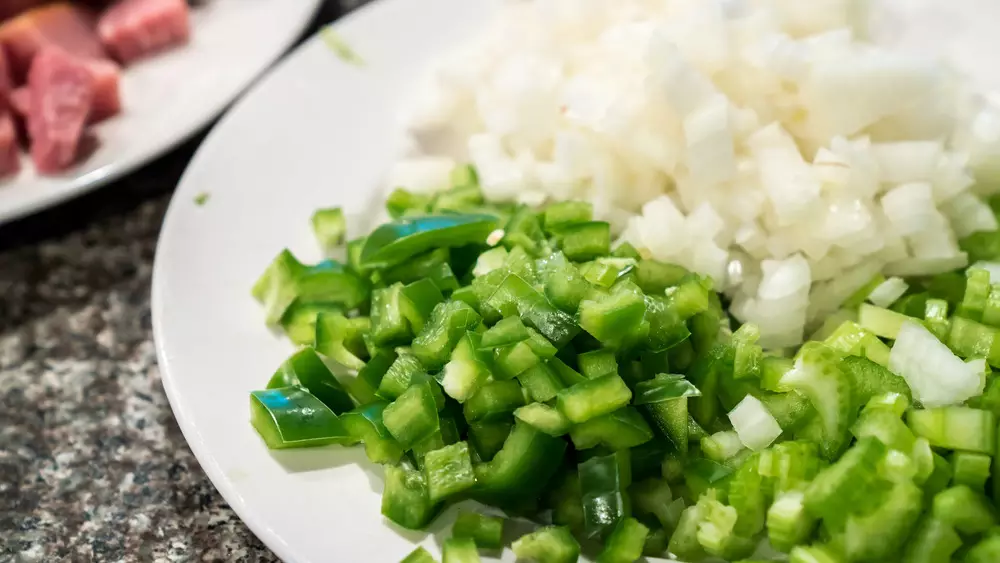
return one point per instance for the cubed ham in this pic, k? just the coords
(10, 153)
(63, 25)
(11, 8)
(6, 82)
(107, 101)
(20, 101)
(132, 29)
(62, 93)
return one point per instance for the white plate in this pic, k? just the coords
(316, 132)
(168, 97)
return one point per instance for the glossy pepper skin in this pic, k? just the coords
(604, 481)
(290, 417)
(395, 242)
(521, 469)
(306, 369)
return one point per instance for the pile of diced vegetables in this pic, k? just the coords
(509, 355)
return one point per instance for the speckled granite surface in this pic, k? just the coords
(92, 464)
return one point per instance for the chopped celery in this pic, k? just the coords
(970, 469)
(882, 322)
(933, 541)
(957, 428)
(977, 291)
(817, 374)
(969, 512)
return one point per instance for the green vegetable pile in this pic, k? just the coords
(509, 355)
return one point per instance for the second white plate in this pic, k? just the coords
(170, 96)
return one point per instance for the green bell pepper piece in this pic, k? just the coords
(544, 418)
(340, 339)
(551, 544)
(405, 498)
(487, 436)
(507, 332)
(289, 417)
(619, 430)
(614, 319)
(521, 469)
(564, 284)
(494, 401)
(597, 363)
(403, 371)
(516, 296)
(419, 555)
(418, 301)
(540, 382)
(585, 241)
(625, 543)
(604, 482)
(389, 325)
(448, 471)
(449, 321)
(305, 369)
(395, 242)
(593, 398)
(413, 416)
(299, 321)
(563, 214)
(286, 279)
(365, 425)
(459, 550)
(485, 531)
(330, 227)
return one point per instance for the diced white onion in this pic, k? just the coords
(887, 292)
(754, 424)
(936, 376)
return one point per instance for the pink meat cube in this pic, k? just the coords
(20, 101)
(10, 153)
(62, 93)
(132, 29)
(61, 24)
(6, 83)
(107, 101)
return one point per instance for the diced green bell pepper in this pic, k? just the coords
(521, 469)
(933, 541)
(625, 543)
(405, 498)
(413, 416)
(290, 417)
(565, 213)
(365, 424)
(515, 295)
(339, 339)
(448, 323)
(459, 550)
(393, 243)
(494, 401)
(299, 321)
(593, 398)
(551, 544)
(487, 436)
(419, 555)
(448, 471)
(330, 227)
(604, 482)
(305, 369)
(621, 429)
(485, 531)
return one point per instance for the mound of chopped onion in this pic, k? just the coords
(770, 147)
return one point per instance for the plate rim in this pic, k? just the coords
(84, 183)
(192, 436)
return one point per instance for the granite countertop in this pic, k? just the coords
(92, 464)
